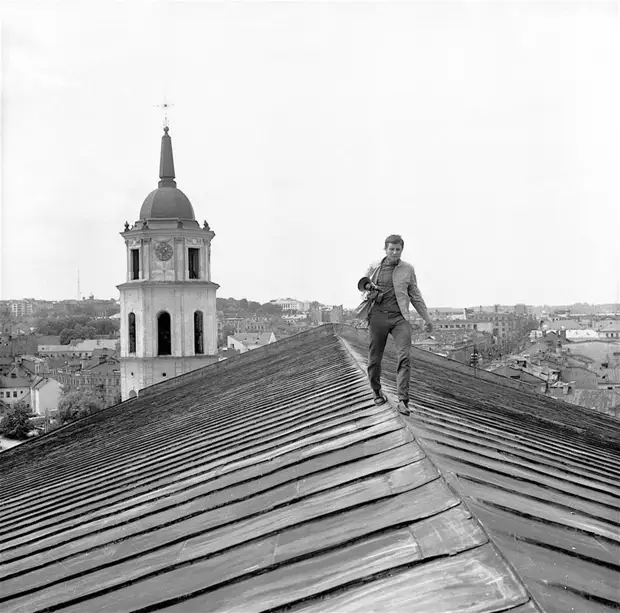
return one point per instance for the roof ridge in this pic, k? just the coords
(360, 362)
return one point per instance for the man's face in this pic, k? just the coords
(393, 251)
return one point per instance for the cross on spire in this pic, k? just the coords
(165, 106)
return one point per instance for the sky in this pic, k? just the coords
(485, 133)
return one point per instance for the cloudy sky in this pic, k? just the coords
(486, 133)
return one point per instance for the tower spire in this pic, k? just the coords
(166, 162)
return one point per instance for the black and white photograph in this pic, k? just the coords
(309, 306)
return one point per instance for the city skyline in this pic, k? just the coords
(615, 306)
(486, 135)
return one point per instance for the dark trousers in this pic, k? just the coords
(380, 325)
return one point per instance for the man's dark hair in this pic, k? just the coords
(395, 239)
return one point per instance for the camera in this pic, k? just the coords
(375, 294)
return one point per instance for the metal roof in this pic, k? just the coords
(270, 482)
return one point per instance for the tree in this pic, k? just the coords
(106, 326)
(76, 403)
(270, 308)
(89, 332)
(17, 424)
(66, 336)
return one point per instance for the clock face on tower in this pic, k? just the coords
(163, 251)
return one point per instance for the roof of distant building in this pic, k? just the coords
(564, 324)
(610, 375)
(8, 381)
(574, 334)
(612, 326)
(284, 487)
(254, 338)
(95, 343)
(109, 366)
(55, 362)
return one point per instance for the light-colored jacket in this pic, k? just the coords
(405, 287)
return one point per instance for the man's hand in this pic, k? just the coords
(428, 327)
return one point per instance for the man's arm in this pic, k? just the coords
(416, 298)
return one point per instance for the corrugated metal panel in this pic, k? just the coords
(542, 476)
(273, 483)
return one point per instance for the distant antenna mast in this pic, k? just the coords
(78, 284)
(617, 287)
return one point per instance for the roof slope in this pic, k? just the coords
(266, 482)
(542, 476)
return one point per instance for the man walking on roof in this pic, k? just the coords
(390, 285)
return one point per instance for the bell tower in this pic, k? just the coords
(168, 308)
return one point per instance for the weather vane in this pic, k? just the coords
(164, 106)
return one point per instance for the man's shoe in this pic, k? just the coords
(380, 397)
(403, 407)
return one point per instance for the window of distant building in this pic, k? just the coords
(193, 263)
(132, 332)
(198, 333)
(14, 394)
(164, 341)
(135, 263)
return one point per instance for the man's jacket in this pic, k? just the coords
(405, 287)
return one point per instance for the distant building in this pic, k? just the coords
(100, 375)
(238, 325)
(21, 308)
(15, 385)
(248, 341)
(463, 324)
(611, 331)
(522, 310)
(580, 377)
(290, 304)
(35, 365)
(609, 379)
(327, 314)
(581, 335)
(558, 324)
(13, 346)
(603, 401)
(45, 395)
(78, 349)
(505, 325)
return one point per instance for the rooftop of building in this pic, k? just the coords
(271, 482)
(612, 326)
(257, 338)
